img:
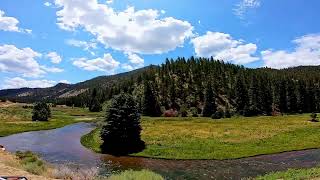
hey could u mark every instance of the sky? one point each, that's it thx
(45, 42)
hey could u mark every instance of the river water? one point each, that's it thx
(62, 146)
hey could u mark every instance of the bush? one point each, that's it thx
(31, 162)
(314, 117)
(250, 111)
(121, 134)
(171, 113)
(3, 100)
(183, 111)
(194, 111)
(227, 114)
(41, 112)
(217, 115)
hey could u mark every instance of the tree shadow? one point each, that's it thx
(118, 148)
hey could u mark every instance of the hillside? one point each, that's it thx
(185, 83)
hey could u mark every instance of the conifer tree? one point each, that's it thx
(95, 105)
(151, 105)
(209, 103)
(121, 134)
(241, 93)
(41, 112)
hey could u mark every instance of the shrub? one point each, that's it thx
(227, 114)
(3, 100)
(121, 134)
(41, 112)
(170, 113)
(183, 111)
(314, 117)
(217, 115)
(31, 162)
(194, 111)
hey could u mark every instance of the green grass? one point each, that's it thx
(136, 175)
(204, 138)
(31, 162)
(15, 119)
(293, 174)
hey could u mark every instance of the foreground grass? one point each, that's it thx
(204, 138)
(312, 173)
(136, 175)
(32, 163)
(16, 119)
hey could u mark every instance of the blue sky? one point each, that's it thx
(43, 43)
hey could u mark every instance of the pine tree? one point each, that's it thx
(95, 105)
(209, 103)
(291, 97)
(283, 97)
(241, 93)
(151, 105)
(41, 112)
(121, 134)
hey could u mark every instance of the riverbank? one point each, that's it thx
(204, 138)
(16, 118)
(10, 165)
(312, 173)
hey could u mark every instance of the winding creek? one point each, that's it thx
(62, 146)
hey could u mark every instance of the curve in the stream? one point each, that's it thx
(62, 146)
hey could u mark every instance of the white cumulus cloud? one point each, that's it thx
(54, 57)
(17, 82)
(106, 64)
(222, 46)
(22, 61)
(87, 46)
(51, 69)
(136, 31)
(11, 24)
(48, 4)
(306, 52)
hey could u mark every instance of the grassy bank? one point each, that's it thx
(136, 175)
(16, 119)
(204, 138)
(313, 173)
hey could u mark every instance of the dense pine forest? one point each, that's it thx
(202, 86)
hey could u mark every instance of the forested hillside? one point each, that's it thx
(195, 83)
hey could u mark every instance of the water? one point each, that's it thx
(62, 146)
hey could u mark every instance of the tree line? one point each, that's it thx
(208, 87)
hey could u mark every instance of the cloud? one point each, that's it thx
(87, 46)
(306, 52)
(65, 82)
(23, 61)
(223, 46)
(105, 64)
(133, 31)
(245, 5)
(135, 62)
(51, 69)
(48, 4)
(55, 57)
(11, 24)
(109, 1)
(17, 82)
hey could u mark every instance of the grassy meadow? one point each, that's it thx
(16, 119)
(237, 137)
(312, 173)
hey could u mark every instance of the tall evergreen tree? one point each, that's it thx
(121, 134)
(291, 97)
(283, 97)
(151, 105)
(209, 103)
(95, 105)
(241, 93)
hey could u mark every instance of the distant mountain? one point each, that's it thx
(63, 90)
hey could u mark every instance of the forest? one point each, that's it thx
(196, 85)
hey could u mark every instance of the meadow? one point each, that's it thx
(16, 118)
(205, 138)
